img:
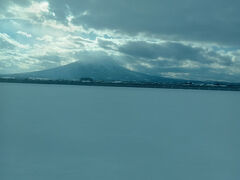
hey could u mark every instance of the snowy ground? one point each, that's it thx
(50, 132)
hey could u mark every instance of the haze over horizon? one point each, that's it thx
(188, 39)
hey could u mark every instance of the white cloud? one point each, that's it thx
(46, 38)
(85, 13)
(70, 18)
(35, 10)
(61, 27)
(24, 34)
(38, 7)
(6, 38)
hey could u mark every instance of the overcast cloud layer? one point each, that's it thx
(189, 39)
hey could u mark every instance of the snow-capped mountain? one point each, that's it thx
(106, 71)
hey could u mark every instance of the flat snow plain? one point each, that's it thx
(57, 132)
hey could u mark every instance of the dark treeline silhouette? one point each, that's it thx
(91, 82)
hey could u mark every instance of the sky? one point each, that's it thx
(187, 39)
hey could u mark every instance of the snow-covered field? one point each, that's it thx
(50, 132)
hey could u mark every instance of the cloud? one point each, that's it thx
(7, 42)
(173, 51)
(45, 38)
(207, 21)
(35, 10)
(106, 44)
(24, 34)
(165, 50)
(4, 42)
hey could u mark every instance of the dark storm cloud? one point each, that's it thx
(166, 50)
(106, 44)
(174, 51)
(210, 21)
